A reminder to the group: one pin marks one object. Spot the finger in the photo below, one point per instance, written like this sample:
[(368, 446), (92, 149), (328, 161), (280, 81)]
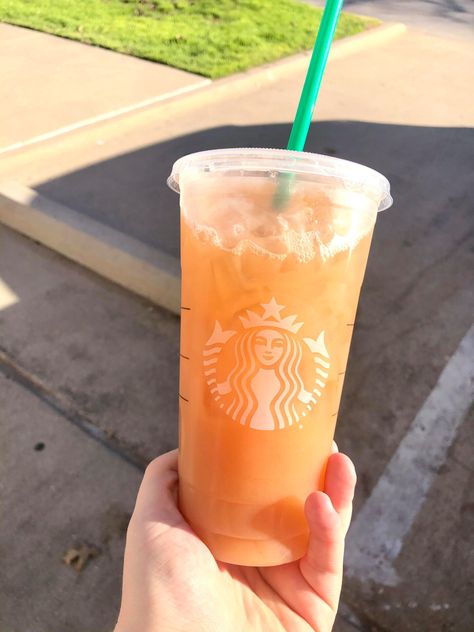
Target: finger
[(322, 564), (287, 594), (340, 485), (293, 589), (157, 496)]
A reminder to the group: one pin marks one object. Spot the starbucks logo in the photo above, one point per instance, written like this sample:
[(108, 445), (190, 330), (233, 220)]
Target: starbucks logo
[(261, 386)]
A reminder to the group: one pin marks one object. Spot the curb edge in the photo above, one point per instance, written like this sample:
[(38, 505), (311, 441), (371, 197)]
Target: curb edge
[(124, 260)]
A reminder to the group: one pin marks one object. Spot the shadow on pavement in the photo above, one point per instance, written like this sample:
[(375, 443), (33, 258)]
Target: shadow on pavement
[(130, 194)]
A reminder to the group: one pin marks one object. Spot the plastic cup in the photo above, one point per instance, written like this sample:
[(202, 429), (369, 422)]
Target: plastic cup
[(268, 307)]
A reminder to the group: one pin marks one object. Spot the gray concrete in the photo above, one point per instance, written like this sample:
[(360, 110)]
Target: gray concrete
[(452, 18), (104, 356), (40, 92), (72, 491)]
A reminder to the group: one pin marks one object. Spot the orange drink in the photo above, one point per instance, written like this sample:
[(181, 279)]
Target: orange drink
[(269, 298)]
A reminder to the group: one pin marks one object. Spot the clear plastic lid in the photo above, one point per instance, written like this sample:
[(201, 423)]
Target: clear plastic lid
[(256, 161)]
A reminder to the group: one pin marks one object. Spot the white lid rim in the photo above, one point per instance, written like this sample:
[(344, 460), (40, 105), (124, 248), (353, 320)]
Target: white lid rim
[(284, 161)]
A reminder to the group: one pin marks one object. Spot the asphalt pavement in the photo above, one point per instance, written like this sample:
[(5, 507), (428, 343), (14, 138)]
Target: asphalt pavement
[(448, 18), (89, 371)]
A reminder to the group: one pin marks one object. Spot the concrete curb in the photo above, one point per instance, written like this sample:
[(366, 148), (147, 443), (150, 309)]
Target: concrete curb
[(270, 72), (115, 256), (261, 76)]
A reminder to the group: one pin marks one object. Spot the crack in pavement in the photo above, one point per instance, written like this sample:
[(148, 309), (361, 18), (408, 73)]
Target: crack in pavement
[(62, 405)]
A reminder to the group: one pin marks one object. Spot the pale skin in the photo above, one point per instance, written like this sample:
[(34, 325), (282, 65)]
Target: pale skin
[(172, 583)]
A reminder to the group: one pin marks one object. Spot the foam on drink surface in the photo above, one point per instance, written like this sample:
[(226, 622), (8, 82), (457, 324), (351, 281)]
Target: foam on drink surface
[(237, 214)]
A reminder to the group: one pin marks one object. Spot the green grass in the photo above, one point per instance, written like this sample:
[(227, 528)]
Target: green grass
[(208, 37)]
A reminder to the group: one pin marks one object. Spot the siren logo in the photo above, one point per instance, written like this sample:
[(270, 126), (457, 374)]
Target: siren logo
[(260, 383)]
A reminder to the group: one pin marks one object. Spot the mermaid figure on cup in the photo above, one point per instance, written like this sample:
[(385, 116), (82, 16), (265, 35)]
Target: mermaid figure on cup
[(264, 388)]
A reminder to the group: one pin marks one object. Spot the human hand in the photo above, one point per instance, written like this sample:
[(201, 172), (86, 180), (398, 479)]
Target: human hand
[(172, 583)]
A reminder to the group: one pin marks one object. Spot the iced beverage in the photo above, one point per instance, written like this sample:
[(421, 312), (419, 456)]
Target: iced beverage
[(269, 298)]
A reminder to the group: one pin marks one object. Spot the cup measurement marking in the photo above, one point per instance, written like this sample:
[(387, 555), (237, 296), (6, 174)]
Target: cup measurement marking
[(183, 356)]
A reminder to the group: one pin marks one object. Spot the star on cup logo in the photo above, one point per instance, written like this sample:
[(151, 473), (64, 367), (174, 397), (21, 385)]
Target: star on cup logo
[(258, 381)]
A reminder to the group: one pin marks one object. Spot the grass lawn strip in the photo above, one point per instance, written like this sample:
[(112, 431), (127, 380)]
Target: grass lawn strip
[(212, 38)]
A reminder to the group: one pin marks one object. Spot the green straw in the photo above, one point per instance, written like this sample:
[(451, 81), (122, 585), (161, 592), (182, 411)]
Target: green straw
[(309, 94)]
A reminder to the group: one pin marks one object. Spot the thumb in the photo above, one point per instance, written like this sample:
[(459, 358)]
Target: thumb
[(322, 564)]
